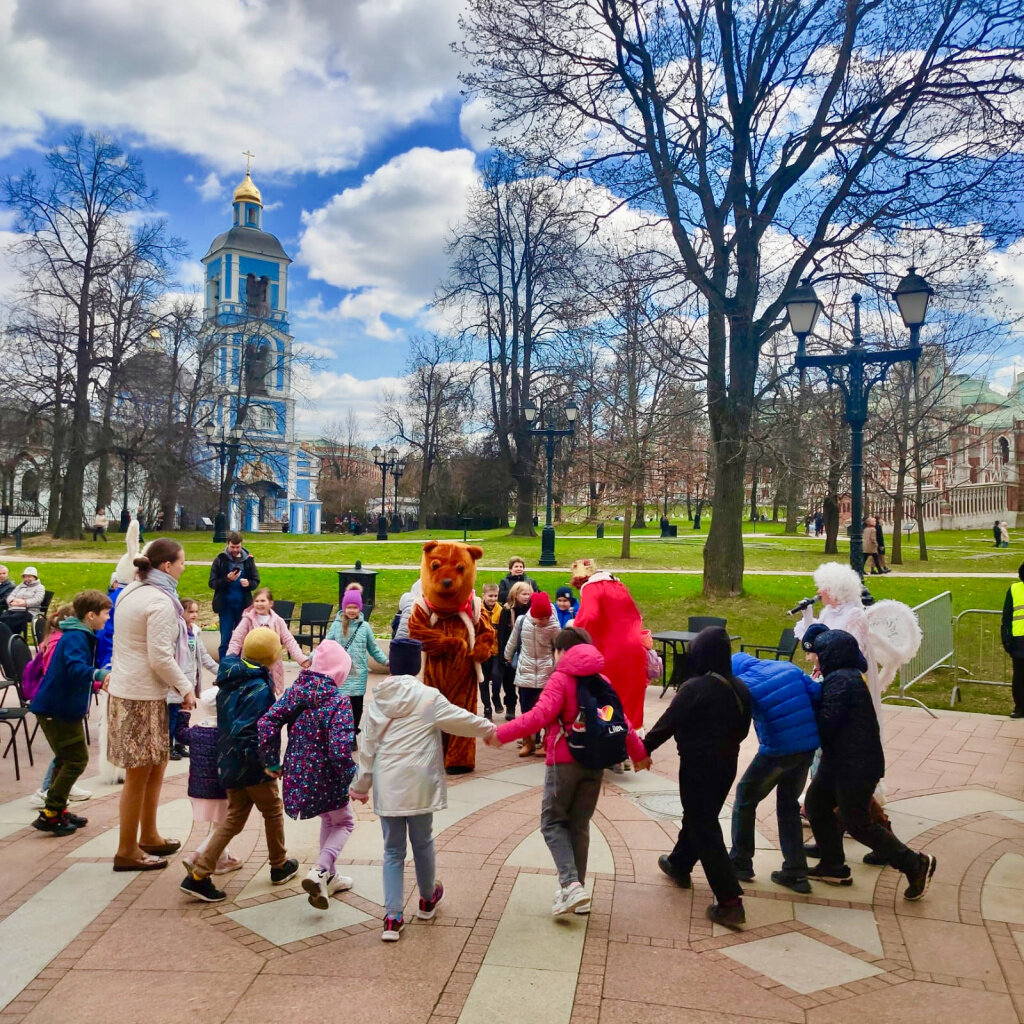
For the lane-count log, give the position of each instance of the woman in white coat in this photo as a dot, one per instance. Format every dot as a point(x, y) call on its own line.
point(400, 755)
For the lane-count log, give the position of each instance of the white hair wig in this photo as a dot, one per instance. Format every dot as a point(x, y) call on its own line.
point(838, 580)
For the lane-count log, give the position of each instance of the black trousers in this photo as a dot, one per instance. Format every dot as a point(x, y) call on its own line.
point(833, 804)
point(704, 783)
point(1018, 684)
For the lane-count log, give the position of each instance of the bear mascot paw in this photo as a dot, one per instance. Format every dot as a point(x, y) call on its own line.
point(449, 621)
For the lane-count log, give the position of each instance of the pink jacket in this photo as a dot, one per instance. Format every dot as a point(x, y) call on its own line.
point(277, 624)
point(557, 706)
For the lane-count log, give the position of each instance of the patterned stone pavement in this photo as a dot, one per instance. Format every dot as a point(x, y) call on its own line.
point(84, 944)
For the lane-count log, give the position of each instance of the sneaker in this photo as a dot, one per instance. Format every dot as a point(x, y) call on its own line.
point(875, 859)
point(583, 908)
point(38, 799)
point(428, 908)
point(76, 819)
point(175, 755)
point(1017, 713)
point(569, 898)
point(227, 864)
point(833, 876)
point(285, 873)
point(744, 874)
point(730, 915)
point(77, 794)
point(393, 927)
point(315, 885)
point(798, 883)
point(488, 714)
point(201, 888)
point(55, 826)
point(181, 749)
point(921, 877)
point(617, 768)
point(681, 879)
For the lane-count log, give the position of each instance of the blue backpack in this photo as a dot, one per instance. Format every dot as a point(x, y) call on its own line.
point(597, 738)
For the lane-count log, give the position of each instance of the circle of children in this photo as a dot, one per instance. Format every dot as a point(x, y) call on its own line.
point(578, 671)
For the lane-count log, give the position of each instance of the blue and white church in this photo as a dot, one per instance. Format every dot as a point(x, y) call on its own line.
point(246, 307)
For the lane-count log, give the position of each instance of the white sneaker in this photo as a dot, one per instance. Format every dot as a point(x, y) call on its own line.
point(583, 908)
point(569, 898)
point(339, 883)
point(38, 798)
point(77, 793)
point(315, 884)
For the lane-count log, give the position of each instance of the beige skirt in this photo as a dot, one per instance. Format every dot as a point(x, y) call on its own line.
point(138, 733)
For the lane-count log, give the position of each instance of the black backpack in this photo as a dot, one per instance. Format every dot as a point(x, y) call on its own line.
point(597, 738)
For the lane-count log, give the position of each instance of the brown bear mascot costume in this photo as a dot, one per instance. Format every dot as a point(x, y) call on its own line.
point(448, 619)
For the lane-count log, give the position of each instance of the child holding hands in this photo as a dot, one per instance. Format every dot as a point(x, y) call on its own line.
point(261, 614)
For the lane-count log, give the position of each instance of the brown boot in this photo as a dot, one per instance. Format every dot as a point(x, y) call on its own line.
point(528, 747)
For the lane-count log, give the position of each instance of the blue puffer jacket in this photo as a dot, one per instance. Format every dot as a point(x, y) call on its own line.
point(244, 696)
point(783, 701)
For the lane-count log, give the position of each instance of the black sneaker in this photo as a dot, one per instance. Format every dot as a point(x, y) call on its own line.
point(834, 876)
point(680, 878)
point(55, 826)
point(798, 883)
point(76, 819)
point(428, 908)
point(744, 874)
point(920, 878)
point(875, 859)
point(1017, 713)
point(182, 749)
point(285, 873)
point(731, 916)
point(202, 889)
point(175, 754)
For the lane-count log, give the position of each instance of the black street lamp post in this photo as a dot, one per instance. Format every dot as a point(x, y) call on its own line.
point(547, 536)
point(397, 470)
point(863, 369)
point(385, 461)
point(227, 444)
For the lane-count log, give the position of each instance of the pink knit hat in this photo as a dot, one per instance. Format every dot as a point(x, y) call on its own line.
point(331, 659)
point(352, 597)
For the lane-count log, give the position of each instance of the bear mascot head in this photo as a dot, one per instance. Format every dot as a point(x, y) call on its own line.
point(447, 575)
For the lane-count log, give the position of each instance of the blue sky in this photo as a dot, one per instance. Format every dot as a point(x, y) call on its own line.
point(363, 148)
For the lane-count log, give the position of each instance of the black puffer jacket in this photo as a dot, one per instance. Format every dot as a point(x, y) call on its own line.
point(244, 696)
point(851, 746)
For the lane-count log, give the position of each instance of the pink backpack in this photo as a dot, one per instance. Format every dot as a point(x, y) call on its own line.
point(35, 670)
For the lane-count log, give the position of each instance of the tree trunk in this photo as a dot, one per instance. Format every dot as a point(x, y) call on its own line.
point(689, 507)
point(696, 514)
point(723, 552)
point(922, 542)
point(626, 524)
point(831, 515)
point(896, 554)
point(776, 501)
point(641, 517)
point(524, 502)
point(70, 521)
point(753, 490)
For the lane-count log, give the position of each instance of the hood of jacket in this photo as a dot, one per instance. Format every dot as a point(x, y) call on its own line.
point(235, 672)
point(711, 651)
point(231, 558)
point(71, 623)
point(314, 688)
point(837, 649)
point(399, 696)
point(581, 660)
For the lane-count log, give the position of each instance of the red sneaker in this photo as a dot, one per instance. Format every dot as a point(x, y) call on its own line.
point(429, 907)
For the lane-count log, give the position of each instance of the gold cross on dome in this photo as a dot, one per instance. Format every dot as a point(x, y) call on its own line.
point(248, 158)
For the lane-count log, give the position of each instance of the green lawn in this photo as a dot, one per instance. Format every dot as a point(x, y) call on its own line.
point(665, 599)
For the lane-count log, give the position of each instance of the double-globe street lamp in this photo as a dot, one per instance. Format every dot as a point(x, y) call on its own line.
point(385, 461)
point(863, 369)
point(547, 537)
point(226, 444)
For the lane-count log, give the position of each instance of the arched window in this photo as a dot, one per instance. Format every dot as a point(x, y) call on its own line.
point(1004, 450)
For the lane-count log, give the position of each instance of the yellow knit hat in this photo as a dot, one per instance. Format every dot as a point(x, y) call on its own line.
point(262, 646)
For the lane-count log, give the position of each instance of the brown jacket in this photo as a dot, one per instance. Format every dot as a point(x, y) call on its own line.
point(870, 543)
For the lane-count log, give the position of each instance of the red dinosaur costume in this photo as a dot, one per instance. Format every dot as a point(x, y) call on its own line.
point(456, 633)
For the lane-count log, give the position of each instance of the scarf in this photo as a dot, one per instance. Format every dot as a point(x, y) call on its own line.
point(169, 585)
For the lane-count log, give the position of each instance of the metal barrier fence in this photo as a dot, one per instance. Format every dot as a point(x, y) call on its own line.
point(935, 617)
point(977, 643)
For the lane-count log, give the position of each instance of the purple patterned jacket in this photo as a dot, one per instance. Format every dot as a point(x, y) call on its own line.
point(318, 764)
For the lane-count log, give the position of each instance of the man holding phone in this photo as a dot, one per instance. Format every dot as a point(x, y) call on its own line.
point(233, 578)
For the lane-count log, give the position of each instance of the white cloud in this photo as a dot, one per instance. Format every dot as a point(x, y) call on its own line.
point(384, 240)
point(304, 83)
point(326, 397)
point(211, 188)
point(474, 117)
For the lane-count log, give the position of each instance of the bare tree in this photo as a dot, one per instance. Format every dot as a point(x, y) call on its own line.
point(747, 125)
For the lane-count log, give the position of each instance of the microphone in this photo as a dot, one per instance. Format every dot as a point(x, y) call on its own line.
point(805, 603)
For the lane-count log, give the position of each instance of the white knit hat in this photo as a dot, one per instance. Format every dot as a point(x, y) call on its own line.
point(30, 570)
point(125, 571)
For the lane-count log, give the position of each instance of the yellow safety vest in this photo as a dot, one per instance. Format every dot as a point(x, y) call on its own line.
point(1017, 623)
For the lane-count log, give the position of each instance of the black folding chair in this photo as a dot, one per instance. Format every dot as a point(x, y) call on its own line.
point(695, 623)
point(17, 657)
point(785, 648)
point(286, 609)
point(314, 619)
point(36, 625)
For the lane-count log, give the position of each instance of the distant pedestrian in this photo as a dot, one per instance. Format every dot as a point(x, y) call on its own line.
point(142, 524)
point(879, 543)
point(869, 542)
point(819, 523)
point(997, 533)
point(1004, 535)
point(99, 525)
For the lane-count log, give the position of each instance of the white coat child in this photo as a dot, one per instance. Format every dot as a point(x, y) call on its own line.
point(400, 756)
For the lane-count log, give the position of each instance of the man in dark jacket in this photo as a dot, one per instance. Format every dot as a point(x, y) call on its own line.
point(1012, 635)
point(233, 578)
point(782, 701)
point(62, 703)
point(6, 586)
point(852, 762)
point(244, 695)
point(709, 718)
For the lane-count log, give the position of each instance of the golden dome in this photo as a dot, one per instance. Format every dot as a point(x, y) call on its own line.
point(247, 192)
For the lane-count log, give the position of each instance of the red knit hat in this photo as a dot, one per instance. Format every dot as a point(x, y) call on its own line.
point(540, 606)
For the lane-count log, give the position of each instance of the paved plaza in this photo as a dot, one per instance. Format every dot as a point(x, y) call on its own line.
point(82, 944)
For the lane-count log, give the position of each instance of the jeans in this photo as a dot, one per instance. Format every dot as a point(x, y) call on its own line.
point(787, 775)
point(173, 710)
point(267, 799)
point(71, 756)
point(567, 805)
point(230, 616)
point(833, 803)
point(490, 694)
point(420, 830)
point(505, 682)
point(335, 829)
point(48, 777)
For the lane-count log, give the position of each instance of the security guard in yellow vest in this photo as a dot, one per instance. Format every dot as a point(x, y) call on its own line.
point(1012, 633)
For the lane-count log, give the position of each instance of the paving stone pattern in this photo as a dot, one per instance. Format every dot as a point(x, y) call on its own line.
point(83, 944)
